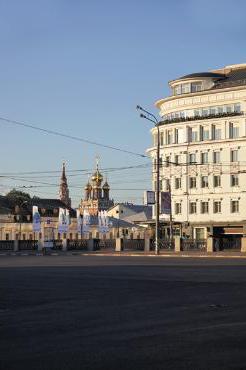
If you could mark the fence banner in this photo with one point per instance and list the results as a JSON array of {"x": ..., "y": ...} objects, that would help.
[
  {"x": 86, "y": 222},
  {"x": 103, "y": 222},
  {"x": 79, "y": 222},
  {"x": 165, "y": 202},
  {"x": 63, "y": 221},
  {"x": 36, "y": 219}
]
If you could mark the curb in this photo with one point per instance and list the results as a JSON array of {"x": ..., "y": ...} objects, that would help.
[{"x": 125, "y": 254}]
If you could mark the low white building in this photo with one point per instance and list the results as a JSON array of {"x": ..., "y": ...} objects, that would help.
[{"x": 203, "y": 151}]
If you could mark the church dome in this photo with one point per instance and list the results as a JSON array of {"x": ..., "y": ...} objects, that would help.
[
  {"x": 106, "y": 185},
  {"x": 97, "y": 176},
  {"x": 88, "y": 186}
]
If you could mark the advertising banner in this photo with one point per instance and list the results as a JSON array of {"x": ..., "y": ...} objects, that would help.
[
  {"x": 165, "y": 202},
  {"x": 63, "y": 221},
  {"x": 149, "y": 197},
  {"x": 103, "y": 222},
  {"x": 79, "y": 222},
  {"x": 86, "y": 222},
  {"x": 36, "y": 219}
]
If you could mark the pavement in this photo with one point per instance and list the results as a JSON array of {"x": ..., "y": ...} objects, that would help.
[
  {"x": 105, "y": 312},
  {"x": 163, "y": 253}
]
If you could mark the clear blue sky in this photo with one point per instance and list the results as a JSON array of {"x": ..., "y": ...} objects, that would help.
[{"x": 81, "y": 67}]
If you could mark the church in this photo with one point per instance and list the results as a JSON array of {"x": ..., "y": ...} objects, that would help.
[{"x": 96, "y": 197}]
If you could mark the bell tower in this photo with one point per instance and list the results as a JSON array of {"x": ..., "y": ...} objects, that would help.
[{"x": 64, "y": 191}]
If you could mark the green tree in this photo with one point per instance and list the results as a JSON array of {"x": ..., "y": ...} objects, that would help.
[{"x": 17, "y": 197}]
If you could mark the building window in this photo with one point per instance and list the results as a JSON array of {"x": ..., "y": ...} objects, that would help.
[
  {"x": 64, "y": 235},
  {"x": 176, "y": 136},
  {"x": 168, "y": 159},
  {"x": 216, "y": 157},
  {"x": 177, "y": 182},
  {"x": 177, "y": 90},
  {"x": 167, "y": 185},
  {"x": 204, "y": 207},
  {"x": 169, "y": 137},
  {"x": 204, "y": 133},
  {"x": 30, "y": 236},
  {"x": 237, "y": 108},
  {"x": 194, "y": 136},
  {"x": 192, "y": 207},
  {"x": 7, "y": 236},
  {"x": 217, "y": 181},
  {"x": 192, "y": 182},
  {"x": 204, "y": 181},
  {"x": 234, "y": 180},
  {"x": 234, "y": 155},
  {"x": 216, "y": 133},
  {"x": 204, "y": 158},
  {"x": 185, "y": 88},
  {"x": 192, "y": 158},
  {"x": 177, "y": 159},
  {"x": 161, "y": 139},
  {"x": 217, "y": 207},
  {"x": 233, "y": 131},
  {"x": 23, "y": 236},
  {"x": 234, "y": 206},
  {"x": 200, "y": 233},
  {"x": 178, "y": 208},
  {"x": 196, "y": 87},
  {"x": 200, "y": 112}
]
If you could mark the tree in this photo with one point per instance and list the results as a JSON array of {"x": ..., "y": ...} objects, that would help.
[{"x": 17, "y": 197}]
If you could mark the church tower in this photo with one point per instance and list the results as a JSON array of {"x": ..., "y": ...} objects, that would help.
[
  {"x": 96, "y": 194},
  {"x": 63, "y": 191}
]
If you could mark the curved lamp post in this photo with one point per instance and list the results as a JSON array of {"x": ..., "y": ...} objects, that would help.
[{"x": 152, "y": 118}]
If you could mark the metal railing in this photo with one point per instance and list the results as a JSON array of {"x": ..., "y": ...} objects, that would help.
[
  {"x": 57, "y": 244},
  {"x": 29, "y": 245},
  {"x": 6, "y": 245},
  {"x": 133, "y": 244},
  {"x": 78, "y": 244},
  {"x": 193, "y": 244},
  {"x": 164, "y": 244}
]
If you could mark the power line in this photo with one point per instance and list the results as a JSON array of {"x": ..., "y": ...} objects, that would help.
[
  {"x": 57, "y": 133},
  {"x": 87, "y": 171}
]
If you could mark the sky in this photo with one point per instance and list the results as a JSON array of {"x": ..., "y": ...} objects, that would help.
[{"x": 81, "y": 67}]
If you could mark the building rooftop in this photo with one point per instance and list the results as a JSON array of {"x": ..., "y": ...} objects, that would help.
[
  {"x": 234, "y": 75},
  {"x": 202, "y": 74}
]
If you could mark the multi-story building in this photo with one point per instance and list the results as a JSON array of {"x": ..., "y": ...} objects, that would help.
[{"x": 203, "y": 151}]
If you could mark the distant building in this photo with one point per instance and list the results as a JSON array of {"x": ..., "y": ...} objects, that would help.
[
  {"x": 131, "y": 212},
  {"x": 96, "y": 196}
]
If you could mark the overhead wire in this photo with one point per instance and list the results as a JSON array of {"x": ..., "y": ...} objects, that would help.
[{"x": 57, "y": 133}]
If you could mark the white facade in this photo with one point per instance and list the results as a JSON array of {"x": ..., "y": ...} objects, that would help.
[{"x": 203, "y": 147}]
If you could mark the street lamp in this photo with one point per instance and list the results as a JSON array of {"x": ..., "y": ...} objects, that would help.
[
  {"x": 20, "y": 219},
  {"x": 152, "y": 118}
]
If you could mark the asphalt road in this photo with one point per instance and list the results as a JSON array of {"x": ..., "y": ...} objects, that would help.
[{"x": 115, "y": 313}]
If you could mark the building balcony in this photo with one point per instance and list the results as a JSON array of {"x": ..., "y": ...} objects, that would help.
[{"x": 199, "y": 118}]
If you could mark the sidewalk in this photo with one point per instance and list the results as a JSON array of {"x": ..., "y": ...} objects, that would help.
[{"x": 163, "y": 254}]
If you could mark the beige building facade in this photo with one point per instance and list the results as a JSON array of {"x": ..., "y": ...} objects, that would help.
[{"x": 203, "y": 151}]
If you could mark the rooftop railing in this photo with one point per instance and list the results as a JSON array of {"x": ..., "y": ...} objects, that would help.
[{"x": 197, "y": 118}]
